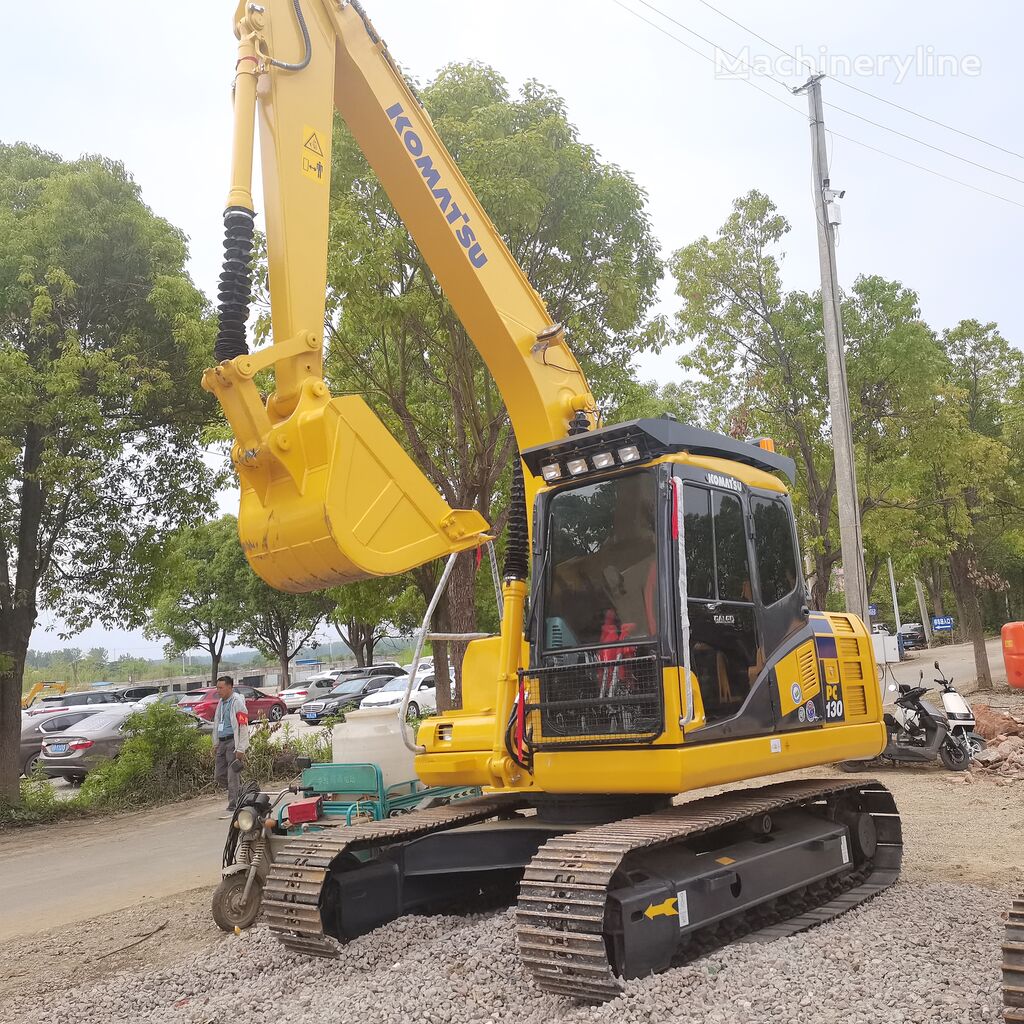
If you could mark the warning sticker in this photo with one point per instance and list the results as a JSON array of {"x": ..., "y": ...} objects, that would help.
[
  {"x": 315, "y": 163},
  {"x": 684, "y": 909}
]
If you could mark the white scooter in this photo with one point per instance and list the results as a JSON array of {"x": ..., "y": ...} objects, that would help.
[{"x": 918, "y": 733}]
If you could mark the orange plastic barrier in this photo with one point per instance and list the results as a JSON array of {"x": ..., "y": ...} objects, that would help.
[{"x": 1013, "y": 653}]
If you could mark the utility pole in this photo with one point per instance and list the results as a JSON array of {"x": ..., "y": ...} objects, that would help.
[{"x": 826, "y": 212}]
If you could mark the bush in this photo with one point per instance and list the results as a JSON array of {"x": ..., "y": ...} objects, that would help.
[
  {"x": 164, "y": 758},
  {"x": 274, "y": 750}
]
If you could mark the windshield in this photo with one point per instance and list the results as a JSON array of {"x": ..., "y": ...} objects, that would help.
[
  {"x": 348, "y": 687},
  {"x": 602, "y": 580},
  {"x": 396, "y": 683}
]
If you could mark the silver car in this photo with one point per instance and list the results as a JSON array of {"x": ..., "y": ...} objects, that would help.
[
  {"x": 73, "y": 753},
  {"x": 34, "y": 731}
]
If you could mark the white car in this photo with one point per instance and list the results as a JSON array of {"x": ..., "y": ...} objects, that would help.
[
  {"x": 310, "y": 689},
  {"x": 426, "y": 665},
  {"x": 424, "y": 696}
]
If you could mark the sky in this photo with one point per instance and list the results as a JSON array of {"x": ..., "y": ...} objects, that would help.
[{"x": 149, "y": 84}]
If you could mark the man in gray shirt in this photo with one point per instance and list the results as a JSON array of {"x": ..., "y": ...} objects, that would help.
[{"x": 230, "y": 738}]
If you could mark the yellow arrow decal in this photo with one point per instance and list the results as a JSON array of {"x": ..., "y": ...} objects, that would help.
[{"x": 667, "y": 908}]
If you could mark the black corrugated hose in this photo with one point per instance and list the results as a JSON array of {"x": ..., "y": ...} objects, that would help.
[
  {"x": 517, "y": 550},
  {"x": 235, "y": 284}
]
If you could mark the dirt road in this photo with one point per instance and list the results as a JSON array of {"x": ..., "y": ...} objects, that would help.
[{"x": 56, "y": 874}]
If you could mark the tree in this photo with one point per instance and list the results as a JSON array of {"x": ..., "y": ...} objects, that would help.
[
  {"x": 99, "y": 328},
  {"x": 372, "y": 610},
  {"x": 577, "y": 226},
  {"x": 978, "y": 469},
  {"x": 758, "y": 360},
  {"x": 279, "y": 624},
  {"x": 202, "y": 588}
]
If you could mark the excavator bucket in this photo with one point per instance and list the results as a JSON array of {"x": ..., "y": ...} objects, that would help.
[{"x": 335, "y": 499}]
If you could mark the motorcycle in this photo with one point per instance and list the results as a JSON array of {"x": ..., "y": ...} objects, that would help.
[
  {"x": 248, "y": 855},
  {"x": 917, "y": 733}
]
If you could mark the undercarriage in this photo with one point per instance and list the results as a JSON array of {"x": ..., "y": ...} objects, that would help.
[{"x": 599, "y": 902}]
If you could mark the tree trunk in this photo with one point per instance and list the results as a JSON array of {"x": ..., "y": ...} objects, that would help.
[
  {"x": 966, "y": 593},
  {"x": 15, "y": 634},
  {"x": 934, "y": 584},
  {"x": 461, "y": 602},
  {"x": 822, "y": 578},
  {"x": 283, "y": 661},
  {"x": 214, "y": 667}
]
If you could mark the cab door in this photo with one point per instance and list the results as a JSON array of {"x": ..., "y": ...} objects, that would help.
[{"x": 726, "y": 649}]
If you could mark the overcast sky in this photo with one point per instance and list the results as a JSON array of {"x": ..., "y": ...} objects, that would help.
[{"x": 148, "y": 84}]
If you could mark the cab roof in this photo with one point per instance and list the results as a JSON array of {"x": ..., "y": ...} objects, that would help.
[{"x": 655, "y": 438}]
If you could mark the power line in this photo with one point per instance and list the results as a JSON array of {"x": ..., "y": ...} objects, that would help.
[
  {"x": 704, "y": 56},
  {"x": 770, "y": 95},
  {"x": 921, "y": 142},
  {"x": 779, "y": 81},
  {"x": 864, "y": 92},
  {"x": 927, "y": 170}
]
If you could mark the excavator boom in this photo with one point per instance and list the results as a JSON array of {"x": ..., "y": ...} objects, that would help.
[{"x": 328, "y": 495}]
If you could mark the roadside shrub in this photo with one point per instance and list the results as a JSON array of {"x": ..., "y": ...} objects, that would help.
[
  {"x": 274, "y": 748},
  {"x": 164, "y": 758}
]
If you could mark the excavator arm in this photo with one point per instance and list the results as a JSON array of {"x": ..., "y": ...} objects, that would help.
[{"x": 328, "y": 495}]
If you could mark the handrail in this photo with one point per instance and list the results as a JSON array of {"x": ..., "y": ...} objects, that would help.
[{"x": 421, "y": 638}]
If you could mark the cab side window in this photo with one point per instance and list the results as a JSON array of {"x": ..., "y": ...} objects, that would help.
[
  {"x": 724, "y": 653},
  {"x": 773, "y": 544}
]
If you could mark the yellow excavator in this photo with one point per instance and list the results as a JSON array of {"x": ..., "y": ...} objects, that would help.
[{"x": 654, "y": 636}]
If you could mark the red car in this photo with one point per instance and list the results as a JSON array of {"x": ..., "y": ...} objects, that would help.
[{"x": 203, "y": 703}]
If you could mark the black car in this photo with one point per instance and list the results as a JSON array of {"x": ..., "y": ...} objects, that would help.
[
  {"x": 913, "y": 636},
  {"x": 347, "y": 694}
]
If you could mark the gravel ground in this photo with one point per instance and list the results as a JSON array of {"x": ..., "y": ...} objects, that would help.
[
  {"x": 925, "y": 951},
  {"x": 918, "y": 953}
]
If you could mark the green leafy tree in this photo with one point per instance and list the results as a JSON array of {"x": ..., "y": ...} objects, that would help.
[
  {"x": 279, "y": 624},
  {"x": 201, "y": 590},
  {"x": 367, "y": 612},
  {"x": 579, "y": 228},
  {"x": 757, "y": 366},
  {"x": 100, "y": 328}
]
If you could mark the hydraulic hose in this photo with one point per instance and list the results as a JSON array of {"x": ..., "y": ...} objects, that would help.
[
  {"x": 517, "y": 550},
  {"x": 308, "y": 48},
  {"x": 235, "y": 284}
]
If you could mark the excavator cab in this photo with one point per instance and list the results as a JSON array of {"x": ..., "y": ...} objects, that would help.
[{"x": 668, "y": 555}]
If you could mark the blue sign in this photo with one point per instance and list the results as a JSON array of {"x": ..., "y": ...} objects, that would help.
[
  {"x": 942, "y": 623},
  {"x": 872, "y": 610}
]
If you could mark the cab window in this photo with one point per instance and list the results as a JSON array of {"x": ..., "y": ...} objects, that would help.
[
  {"x": 773, "y": 544},
  {"x": 724, "y": 653}
]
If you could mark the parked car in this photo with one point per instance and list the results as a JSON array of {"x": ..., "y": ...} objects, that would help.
[
  {"x": 166, "y": 697},
  {"x": 132, "y": 694},
  {"x": 203, "y": 703},
  {"x": 424, "y": 695},
  {"x": 347, "y": 694},
  {"x": 74, "y": 700},
  {"x": 426, "y": 665},
  {"x": 318, "y": 686},
  {"x": 35, "y": 730},
  {"x": 913, "y": 636},
  {"x": 73, "y": 753}
]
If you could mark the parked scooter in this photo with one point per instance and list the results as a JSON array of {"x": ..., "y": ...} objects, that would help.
[{"x": 918, "y": 733}]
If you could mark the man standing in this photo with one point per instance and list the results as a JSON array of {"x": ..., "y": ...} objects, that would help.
[{"x": 230, "y": 737}]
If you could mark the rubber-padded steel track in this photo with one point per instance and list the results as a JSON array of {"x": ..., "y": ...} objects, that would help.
[
  {"x": 1013, "y": 964},
  {"x": 563, "y": 895},
  {"x": 294, "y": 888}
]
